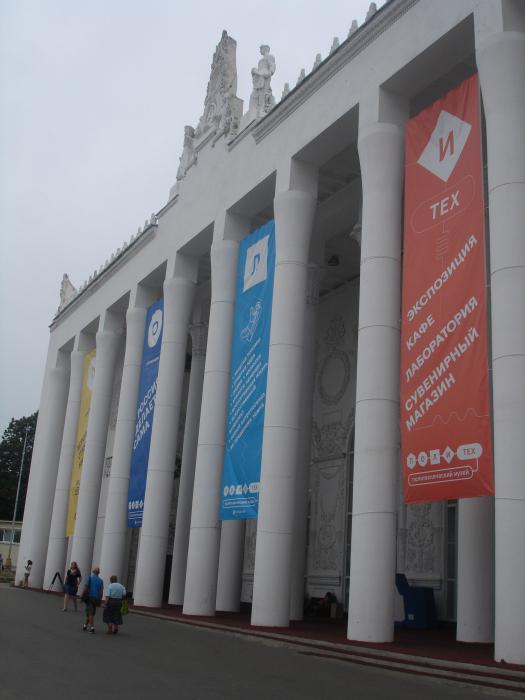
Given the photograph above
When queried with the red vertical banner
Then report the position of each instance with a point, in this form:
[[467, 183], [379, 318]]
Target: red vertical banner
[[445, 415]]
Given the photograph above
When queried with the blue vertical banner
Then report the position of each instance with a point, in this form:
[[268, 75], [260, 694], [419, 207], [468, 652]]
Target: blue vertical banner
[[248, 375], [145, 409]]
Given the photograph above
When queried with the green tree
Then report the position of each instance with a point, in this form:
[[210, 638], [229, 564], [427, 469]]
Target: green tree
[[11, 448]]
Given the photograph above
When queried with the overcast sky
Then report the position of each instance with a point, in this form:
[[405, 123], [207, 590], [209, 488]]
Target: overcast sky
[[94, 96]]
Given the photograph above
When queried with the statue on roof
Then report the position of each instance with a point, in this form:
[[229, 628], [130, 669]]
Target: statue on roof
[[67, 292], [261, 99], [189, 156], [221, 106]]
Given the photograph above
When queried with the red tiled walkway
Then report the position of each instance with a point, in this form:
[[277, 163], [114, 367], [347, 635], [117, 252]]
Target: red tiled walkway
[[439, 643]]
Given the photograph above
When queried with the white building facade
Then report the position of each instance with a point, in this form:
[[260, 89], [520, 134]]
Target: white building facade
[[327, 164]]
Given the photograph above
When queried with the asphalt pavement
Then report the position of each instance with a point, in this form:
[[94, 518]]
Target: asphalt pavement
[[45, 655]]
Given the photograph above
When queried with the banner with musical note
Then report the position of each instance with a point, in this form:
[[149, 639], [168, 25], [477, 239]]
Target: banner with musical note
[[248, 375]]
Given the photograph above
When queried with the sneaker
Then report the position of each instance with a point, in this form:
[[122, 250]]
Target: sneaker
[[84, 627], [92, 630], [64, 609]]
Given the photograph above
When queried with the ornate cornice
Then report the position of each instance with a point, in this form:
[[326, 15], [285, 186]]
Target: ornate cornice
[[120, 260], [384, 18]]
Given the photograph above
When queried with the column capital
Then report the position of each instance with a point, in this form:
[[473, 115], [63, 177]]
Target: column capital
[[500, 58], [380, 147], [375, 129], [297, 197], [381, 157], [487, 42], [58, 373], [77, 356], [179, 294], [135, 318], [294, 217], [223, 255], [76, 360], [171, 285], [106, 337], [135, 313]]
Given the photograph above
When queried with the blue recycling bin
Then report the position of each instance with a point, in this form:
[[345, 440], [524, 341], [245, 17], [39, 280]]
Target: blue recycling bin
[[420, 610]]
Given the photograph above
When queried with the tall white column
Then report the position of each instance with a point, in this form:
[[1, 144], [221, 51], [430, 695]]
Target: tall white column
[[303, 462], [501, 61], [57, 547], [475, 579], [179, 293], [44, 466], [107, 346], [203, 552], [376, 455], [231, 558], [114, 540], [199, 334], [294, 215]]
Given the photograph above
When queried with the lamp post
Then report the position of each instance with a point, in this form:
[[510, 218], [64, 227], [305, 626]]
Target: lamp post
[[8, 560]]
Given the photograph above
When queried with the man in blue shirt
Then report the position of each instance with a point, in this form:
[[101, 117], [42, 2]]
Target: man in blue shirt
[[92, 597]]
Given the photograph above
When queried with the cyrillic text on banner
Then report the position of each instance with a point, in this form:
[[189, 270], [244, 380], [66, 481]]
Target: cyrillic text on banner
[[445, 410], [145, 410], [248, 377]]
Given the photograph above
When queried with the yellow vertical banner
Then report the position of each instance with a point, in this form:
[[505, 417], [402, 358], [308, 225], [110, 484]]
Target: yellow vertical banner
[[88, 375]]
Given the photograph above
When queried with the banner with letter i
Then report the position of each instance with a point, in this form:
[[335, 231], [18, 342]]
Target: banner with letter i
[[445, 409], [248, 375], [88, 377], [145, 410]]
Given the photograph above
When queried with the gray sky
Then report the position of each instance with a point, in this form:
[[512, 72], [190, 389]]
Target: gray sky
[[94, 97]]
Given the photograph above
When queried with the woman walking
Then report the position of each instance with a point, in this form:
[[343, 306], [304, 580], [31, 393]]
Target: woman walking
[[73, 579], [115, 594]]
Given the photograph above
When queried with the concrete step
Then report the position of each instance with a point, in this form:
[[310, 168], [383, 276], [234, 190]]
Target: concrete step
[[500, 677]]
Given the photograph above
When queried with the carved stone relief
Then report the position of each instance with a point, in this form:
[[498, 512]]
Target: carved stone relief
[[335, 365], [132, 561], [199, 339], [332, 424], [116, 393], [107, 467], [328, 517], [173, 515], [249, 546], [221, 104], [249, 560], [423, 541], [330, 440]]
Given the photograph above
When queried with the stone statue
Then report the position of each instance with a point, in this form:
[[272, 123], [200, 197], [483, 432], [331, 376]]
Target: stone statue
[[261, 99], [67, 292], [371, 11], [353, 28], [188, 157]]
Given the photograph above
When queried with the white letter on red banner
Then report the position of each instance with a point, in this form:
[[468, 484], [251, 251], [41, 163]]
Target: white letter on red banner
[[445, 416]]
